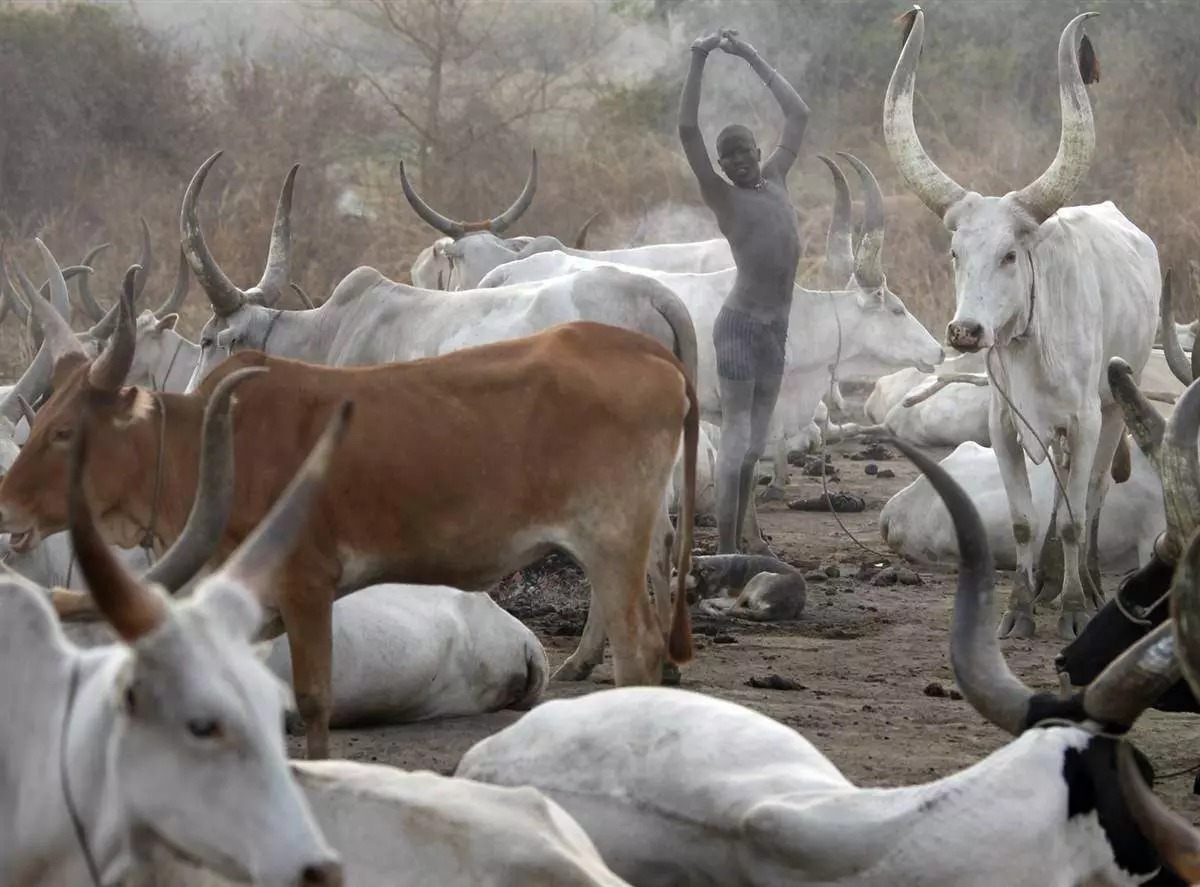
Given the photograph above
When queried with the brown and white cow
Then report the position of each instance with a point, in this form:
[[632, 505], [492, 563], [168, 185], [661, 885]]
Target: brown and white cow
[[569, 438]]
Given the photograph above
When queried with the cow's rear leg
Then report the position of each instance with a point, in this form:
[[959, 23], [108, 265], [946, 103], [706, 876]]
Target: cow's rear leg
[[307, 610], [1017, 620], [1112, 428], [1084, 443], [590, 652]]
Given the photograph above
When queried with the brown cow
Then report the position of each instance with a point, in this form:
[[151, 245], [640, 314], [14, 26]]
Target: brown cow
[[570, 436]]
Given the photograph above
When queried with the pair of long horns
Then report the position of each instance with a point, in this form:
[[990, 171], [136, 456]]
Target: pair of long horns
[[132, 605], [864, 264], [88, 301], [226, 298], [497, 225], [1041, 198]]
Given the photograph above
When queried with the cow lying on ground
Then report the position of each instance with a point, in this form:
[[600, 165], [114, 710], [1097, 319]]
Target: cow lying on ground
[[460, 470], [404, 653], [915, 523], [754, 587], [146, 741], [393, 827], [648, 774]]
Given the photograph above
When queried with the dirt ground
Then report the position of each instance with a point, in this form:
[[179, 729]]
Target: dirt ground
[[871, 661]]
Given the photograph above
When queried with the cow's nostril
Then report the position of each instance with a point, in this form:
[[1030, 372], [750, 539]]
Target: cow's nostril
[[325, 874], [1060, 663]]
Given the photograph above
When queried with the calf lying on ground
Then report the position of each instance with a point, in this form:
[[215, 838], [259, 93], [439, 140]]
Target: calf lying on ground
[[404, 653], [459, 470], [393, 827]]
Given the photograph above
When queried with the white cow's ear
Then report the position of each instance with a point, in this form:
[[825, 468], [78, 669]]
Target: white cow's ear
[[166, 323], [231, 604], [1042, 231]]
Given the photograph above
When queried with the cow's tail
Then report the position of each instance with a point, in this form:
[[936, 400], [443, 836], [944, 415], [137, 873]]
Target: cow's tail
[[679, 319], [679, 644]]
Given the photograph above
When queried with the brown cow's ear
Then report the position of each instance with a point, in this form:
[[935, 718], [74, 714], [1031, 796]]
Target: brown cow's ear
[[64, 367]]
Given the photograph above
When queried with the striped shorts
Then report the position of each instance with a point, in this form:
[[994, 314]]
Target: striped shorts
[[748, 349]]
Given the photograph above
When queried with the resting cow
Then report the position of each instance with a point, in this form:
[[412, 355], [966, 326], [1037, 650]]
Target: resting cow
[[437, 484], [648, 774]]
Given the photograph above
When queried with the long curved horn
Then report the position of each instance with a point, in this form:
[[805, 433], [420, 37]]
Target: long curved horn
[[868, 258], [11, 300], [936, 190], [1185, 611], [582, 233], [108, 371], [1077, 141], [979, 667], [183, 279], [1134, 680], [1144, 422], [1173, 837], [90, 306], [427, 213], [56, 332], [224, 296], [501, 223], [130, 608], [144, 261], [259, 558], [214, 490], [1180, 469], [1170, 342], [839, 242], [269, 289], [303, 296]]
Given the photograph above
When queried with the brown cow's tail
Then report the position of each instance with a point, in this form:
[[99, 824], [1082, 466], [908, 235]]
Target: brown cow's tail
[[679, 645], [667, 303]]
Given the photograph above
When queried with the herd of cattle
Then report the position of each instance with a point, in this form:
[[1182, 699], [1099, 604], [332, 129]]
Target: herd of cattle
[[284, 522]]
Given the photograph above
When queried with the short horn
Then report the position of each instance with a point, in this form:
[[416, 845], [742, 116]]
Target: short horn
[[1174, 839], [260, 557], [839, 242], [935, 189], [130, 608], [868, 258], [1170, 341], [144, 261], [303, 296], [1077, 140], [214, 490], [279, 258], [501, 223], [26, 410], [224, 296], [979, 667], [86, 300], [428, 214], [582, 234], [183, 279], [108, 371]]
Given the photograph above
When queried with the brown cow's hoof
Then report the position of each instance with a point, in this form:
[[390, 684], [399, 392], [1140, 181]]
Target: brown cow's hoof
[[670, 674], [571, 671]]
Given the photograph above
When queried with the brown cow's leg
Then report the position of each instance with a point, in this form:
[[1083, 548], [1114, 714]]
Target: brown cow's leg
[[307, 610]]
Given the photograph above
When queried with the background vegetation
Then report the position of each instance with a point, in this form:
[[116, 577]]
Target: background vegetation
[[105, 113]]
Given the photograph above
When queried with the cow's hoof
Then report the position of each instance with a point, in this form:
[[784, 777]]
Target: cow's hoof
[[293, 723], [1071, 624], [572, 671], [670, 674], [1015, 624]]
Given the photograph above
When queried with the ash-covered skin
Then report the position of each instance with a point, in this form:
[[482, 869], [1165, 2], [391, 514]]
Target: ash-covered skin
[[755, 214]]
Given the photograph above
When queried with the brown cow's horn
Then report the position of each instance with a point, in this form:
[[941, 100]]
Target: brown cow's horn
[[224, 296], [1077, 140], [108, 371], [131, 609], [260, 557], [214, 490], [428, 214], [839, 242]]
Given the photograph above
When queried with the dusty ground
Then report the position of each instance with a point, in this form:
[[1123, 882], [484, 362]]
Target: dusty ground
[[864, 656]]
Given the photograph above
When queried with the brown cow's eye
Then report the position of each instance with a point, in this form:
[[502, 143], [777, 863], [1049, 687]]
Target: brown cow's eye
[[62, 434]]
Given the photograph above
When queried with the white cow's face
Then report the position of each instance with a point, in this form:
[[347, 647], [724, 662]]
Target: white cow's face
[[157, 347], [201, 759], [248, 327], [469, 258], [991, 249], [891, 338]]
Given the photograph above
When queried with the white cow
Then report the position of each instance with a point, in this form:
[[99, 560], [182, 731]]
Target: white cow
[[404, 653], [469, 250], [914, 522], [1053, 292], [706, 471], [864, 330], [648, 774], [393, 827], [159, 744]]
